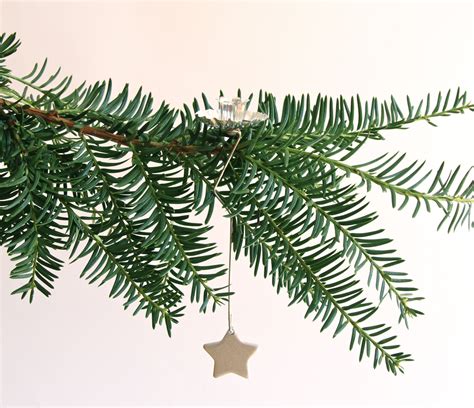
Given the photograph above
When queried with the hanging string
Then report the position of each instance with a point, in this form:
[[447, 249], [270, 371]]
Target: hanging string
[[238, 133], [229, 314]]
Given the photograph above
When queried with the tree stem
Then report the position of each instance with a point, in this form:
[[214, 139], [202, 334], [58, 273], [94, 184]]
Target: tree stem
[[55, 118]]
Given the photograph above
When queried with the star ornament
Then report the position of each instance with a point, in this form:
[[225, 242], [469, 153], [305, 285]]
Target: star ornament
[[230, 355]]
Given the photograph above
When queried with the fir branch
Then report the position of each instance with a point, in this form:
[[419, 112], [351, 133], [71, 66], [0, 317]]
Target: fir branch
[[392, 361], [180, 241], [111, 179], [360, 241], [463, 196], [123, 279], [54, 118]]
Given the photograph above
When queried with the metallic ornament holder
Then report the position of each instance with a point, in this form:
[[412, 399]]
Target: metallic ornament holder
[[231, 116]]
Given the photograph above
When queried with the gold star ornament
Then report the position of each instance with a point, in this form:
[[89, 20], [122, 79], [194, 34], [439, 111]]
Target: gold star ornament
[[230, 355]]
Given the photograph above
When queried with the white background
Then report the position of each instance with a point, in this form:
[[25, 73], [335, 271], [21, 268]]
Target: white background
[[78, 348]]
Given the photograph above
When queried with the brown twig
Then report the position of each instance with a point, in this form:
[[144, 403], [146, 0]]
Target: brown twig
[[53, 117]]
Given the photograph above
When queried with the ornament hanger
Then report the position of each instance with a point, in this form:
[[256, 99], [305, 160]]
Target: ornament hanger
[[230, 354]]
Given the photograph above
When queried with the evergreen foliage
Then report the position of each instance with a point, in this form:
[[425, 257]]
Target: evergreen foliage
[[109, 179]]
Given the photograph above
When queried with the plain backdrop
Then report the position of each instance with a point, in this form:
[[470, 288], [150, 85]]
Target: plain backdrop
[[78, 348]]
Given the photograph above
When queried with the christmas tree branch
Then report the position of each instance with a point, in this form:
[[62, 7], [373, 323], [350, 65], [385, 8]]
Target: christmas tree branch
[[53, 117]]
